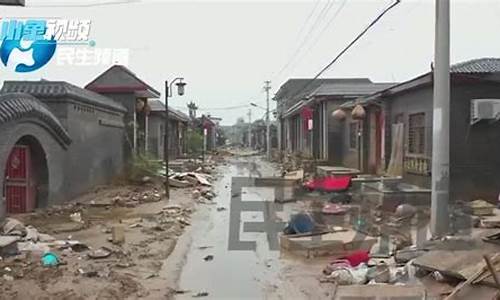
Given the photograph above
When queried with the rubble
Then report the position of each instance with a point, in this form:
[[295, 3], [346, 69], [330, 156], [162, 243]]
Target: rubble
[[8, 246], [480, 208], [173, 182], [143, 232], [344, 274], [100, 253], [13, 227]]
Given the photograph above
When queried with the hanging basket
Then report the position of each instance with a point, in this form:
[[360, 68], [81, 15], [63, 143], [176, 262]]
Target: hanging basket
[[358, 113], [339, 114], [147, 109], [139, 105]]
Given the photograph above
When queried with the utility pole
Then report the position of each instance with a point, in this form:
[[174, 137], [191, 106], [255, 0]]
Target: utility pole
[[267, 87], [441, 122], [250, 128]]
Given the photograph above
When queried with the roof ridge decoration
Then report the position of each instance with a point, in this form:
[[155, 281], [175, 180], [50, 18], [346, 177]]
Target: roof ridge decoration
[[477, 65]]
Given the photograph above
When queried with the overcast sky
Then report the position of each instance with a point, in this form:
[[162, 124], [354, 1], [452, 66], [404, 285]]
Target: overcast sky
[[225, 50]]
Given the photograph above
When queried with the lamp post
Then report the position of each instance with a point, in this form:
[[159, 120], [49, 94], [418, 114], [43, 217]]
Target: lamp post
[[168, 93]]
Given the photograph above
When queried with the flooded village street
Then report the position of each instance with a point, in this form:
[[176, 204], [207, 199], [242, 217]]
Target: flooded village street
[[277, 150], [235, 273]]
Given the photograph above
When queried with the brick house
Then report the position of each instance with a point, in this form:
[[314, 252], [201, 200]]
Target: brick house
[[178, 124], [55, 143], [474, 144], [125, 87], [305, 117]]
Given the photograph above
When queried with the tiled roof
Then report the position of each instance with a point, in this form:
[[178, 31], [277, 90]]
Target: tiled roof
[[158, 106], [296, 87], [350, 89], [59, 89], [119, 78], [480, 65], [15, 106]]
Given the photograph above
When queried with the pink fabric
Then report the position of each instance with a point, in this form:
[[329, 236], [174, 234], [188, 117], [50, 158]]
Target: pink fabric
[[329, 183], [358, 257]]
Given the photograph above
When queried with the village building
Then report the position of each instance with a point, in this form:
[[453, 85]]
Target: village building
[[125, 87], [209, 127], [259, 134], [395, 136], [305, 108], [178, 125], [55, 143], [60, 140]]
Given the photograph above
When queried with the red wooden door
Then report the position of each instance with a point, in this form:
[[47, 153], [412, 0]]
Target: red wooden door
[[19, 186]]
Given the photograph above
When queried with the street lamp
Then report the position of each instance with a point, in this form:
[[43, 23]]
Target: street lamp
[[168, 93]]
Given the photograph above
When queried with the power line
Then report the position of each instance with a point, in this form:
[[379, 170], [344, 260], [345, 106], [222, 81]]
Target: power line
[[350, 45], [320, 16], [334, 17], [315, 42], [308, 18]]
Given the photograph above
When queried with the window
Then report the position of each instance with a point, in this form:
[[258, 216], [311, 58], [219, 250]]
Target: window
[[353, 135], [416, 133]]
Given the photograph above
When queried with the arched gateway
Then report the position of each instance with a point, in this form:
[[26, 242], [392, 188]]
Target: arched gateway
[[30, 136]]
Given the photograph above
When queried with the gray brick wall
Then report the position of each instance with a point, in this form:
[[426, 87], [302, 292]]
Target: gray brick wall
[[94, 157]]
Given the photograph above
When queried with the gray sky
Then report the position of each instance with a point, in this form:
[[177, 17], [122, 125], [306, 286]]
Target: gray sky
[[225, 50]]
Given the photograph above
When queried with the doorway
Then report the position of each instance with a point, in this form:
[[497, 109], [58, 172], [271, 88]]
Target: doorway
[[26, 177]]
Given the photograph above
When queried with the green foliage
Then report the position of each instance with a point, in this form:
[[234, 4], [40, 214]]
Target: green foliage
[[144, 165], [194, 142]]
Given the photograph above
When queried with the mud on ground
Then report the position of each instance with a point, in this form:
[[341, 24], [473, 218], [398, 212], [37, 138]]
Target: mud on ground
[[151, 228]]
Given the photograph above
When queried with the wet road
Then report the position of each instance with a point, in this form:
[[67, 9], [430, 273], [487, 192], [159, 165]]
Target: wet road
[[232, 274]]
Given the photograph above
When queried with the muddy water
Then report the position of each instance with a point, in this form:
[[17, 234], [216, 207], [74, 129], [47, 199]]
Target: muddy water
[[232, 274]]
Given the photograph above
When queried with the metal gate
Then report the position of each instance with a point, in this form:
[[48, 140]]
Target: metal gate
[[19, 186]]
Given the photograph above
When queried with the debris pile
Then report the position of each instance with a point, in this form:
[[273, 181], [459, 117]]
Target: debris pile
[[453, 267]]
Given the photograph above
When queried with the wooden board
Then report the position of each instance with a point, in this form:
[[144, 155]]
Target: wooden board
[[459, 264]]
